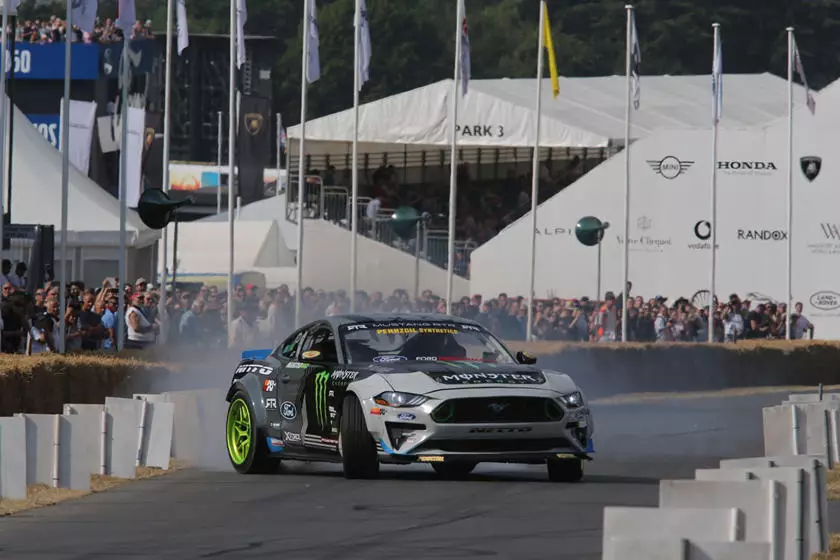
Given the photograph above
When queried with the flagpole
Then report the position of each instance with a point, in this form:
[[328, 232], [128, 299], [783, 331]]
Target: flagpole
[[788, 241], [453, 164], [279, 148], [167, 117], [232, 120], [354, 203], [626, 246], [713, 272], [126, 74], [5, 109], [65, 176], [535, 173], [302, 163]]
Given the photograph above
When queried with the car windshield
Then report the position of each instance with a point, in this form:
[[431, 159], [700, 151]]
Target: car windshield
[[395, 341]]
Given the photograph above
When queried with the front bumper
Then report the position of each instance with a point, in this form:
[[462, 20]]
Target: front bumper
[[408, 435]]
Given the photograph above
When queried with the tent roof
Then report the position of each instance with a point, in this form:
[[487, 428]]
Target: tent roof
[[93, 214], [589, 112]]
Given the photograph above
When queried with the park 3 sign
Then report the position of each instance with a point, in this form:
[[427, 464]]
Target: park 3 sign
[[480, 130]]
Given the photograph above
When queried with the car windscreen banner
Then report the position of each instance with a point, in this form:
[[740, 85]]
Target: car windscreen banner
[[412, 327]]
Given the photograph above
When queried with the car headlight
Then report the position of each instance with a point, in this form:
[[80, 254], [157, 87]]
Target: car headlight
[[572, 400], [399, 400]]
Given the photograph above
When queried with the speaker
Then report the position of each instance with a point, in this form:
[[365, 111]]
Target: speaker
[[157, 210]]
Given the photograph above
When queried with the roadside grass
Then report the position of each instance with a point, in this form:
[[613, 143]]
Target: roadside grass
[[41, 495]]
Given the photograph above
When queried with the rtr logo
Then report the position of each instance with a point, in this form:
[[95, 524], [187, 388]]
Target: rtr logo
[[271, 404]]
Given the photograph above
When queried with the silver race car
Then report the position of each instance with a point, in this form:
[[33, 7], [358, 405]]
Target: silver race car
[[365, 390]]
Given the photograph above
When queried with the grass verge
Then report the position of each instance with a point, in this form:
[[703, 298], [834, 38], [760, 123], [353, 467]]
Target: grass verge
[[41, 495], [833, 549], [833, 483]]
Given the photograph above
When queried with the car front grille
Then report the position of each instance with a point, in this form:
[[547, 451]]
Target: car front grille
[[506, 445], [488, 410]]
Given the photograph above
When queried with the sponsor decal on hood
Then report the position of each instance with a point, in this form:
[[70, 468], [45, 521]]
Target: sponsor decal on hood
[[478, 377]]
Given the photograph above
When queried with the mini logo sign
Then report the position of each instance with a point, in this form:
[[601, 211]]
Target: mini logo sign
[[825, 300], [811, 166], [669, 167], [253, 123]]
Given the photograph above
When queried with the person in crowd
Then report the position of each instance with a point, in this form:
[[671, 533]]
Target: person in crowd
[[801, 324], [141, 332]]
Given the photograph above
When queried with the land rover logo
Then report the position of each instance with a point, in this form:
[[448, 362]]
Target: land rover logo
[[703, 230], [825, 300], [811, 166], [669, 167]]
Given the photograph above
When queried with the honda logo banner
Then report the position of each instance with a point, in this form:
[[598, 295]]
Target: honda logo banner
[[254, 141], [672, 227]]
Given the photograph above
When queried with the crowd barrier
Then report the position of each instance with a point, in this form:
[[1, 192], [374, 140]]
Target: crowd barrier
[[763, 508], [111, 439]]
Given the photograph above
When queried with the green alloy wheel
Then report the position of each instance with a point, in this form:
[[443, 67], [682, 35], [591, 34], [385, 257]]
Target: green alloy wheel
[[238, 431], [246, 444]]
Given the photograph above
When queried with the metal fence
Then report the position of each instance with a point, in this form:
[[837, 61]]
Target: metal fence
[[334, 204]]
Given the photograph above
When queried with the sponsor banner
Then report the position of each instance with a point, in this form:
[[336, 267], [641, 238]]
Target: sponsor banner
[[736, 167], [669, 167], [761, 235], [810, 166], [192, 177], [826, 303], [141, 56], [828, 242], [49, 126], [254, 139], [412, 327], [702, 232], [46, 62], [646, 239]]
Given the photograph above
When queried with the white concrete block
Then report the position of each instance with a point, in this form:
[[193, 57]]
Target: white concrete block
[[684, 549], [793, 493], [150, 397], [41, 443], [157, 445], [13, 458], [186, 444], [802, 461], [811, 397], [758, 500], [779, 437], [123, 436], [640, 523], [78, 441], [83, 408]]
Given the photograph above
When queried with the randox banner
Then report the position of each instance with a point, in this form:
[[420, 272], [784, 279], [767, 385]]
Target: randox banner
[[254, 139]]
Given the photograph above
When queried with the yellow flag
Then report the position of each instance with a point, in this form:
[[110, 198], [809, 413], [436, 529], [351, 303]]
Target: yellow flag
[[552, 60]]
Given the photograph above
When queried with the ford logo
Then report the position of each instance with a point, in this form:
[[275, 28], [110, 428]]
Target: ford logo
[[825, 300]]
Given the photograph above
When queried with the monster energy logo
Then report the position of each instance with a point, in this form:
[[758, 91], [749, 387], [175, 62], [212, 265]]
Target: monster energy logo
[[321, 414]]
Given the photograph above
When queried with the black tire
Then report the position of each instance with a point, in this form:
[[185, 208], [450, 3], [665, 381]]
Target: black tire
[[456, 470], [565, 470], [257, 460], [357, 448]]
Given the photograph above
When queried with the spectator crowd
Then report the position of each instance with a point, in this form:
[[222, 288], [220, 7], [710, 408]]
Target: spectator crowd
[[54, 30], [196, 315]]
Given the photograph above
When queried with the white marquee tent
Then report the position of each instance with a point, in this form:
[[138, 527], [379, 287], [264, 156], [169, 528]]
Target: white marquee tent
[[669, 234], [93, 214], [589, 112]]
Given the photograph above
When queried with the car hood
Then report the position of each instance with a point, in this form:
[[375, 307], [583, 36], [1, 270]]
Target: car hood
[[433, 376]]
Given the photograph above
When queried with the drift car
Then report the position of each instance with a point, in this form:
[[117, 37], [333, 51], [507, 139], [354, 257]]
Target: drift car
[[365, 390]]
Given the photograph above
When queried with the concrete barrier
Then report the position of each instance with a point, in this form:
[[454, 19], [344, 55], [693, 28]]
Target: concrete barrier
[[13, 458], [780, 501]]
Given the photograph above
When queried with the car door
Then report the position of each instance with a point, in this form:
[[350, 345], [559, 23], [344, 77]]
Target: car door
[[281, 401], [320, 354]]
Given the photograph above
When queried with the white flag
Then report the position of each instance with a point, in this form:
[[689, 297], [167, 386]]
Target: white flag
[[313, 66], [797, 67], [717, 79], [364, 46], [126, 17], [241, 18], [466, 70], [183, 30], [83, 14], [635, 63]]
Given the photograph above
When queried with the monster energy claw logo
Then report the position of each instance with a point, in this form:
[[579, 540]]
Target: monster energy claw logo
[[321, 414]]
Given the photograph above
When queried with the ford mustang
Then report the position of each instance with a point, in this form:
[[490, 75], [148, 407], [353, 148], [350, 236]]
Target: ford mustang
[[401, 389]]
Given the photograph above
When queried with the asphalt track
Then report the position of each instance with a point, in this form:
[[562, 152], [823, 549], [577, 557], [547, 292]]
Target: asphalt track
[[311, 512]]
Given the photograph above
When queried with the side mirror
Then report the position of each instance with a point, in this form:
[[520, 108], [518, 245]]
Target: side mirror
[[157, 210], [526, 358]]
